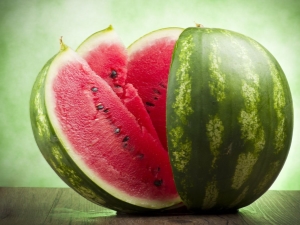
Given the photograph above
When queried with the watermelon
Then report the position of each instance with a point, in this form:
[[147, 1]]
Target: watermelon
[[201, 117], [94, 142], [229, 119]]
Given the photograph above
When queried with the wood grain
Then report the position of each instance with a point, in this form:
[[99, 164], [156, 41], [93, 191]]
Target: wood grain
[[64, 206]]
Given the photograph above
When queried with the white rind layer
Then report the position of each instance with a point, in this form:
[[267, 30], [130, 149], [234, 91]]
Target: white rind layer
[[92, 42], [147, 40]]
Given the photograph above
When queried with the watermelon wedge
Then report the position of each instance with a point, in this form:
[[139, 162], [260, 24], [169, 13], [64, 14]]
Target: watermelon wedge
[[94, 143], [148, 70]]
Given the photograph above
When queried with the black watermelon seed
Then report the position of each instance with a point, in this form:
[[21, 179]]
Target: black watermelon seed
[[158, 183], [156, 91], [94, 89], [140, 156], [155, 171], [117, 130], [113, 74], [149, 104], [106, 110], [99, 107], [163, 85], [126, 138]]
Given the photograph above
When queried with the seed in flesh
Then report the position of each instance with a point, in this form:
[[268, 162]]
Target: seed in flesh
[[163, 85], [149, 104], [156, 91], [113, 74], [117, 130], [140, 156], [126, 138], [100, 106], [94, 89], [158, 183]]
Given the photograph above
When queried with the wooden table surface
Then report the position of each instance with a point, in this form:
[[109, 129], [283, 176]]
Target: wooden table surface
[[64, 206]]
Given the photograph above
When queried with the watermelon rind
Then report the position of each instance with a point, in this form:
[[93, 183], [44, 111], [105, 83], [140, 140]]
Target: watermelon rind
[[96, 38], [149, 38]]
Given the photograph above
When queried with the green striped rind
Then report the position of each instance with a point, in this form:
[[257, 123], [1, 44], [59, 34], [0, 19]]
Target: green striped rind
[[58, 158], [229, 119]]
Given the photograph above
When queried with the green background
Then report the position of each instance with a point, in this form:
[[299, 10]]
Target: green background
[[29, 36]]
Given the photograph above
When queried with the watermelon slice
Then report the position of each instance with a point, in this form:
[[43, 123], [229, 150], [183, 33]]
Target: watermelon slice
[[148, 70], [93, 137]]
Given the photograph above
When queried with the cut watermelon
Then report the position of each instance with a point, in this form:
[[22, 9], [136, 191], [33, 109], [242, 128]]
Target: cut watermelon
[[97, 145], [95, 114], [148, 70]]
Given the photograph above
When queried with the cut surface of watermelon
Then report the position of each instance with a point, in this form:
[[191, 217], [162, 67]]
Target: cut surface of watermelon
[[107, 57], [104, 138], [148, 70]]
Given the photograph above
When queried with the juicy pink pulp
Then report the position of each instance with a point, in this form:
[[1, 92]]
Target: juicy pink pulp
[[108, 138], [106, 58], [148, 71]]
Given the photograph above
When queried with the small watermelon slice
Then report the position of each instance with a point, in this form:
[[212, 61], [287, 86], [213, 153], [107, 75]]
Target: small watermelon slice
[[148, 69], [94, 143]]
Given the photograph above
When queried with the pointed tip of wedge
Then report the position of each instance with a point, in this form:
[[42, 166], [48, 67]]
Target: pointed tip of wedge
[[110, 27], [63, 47]]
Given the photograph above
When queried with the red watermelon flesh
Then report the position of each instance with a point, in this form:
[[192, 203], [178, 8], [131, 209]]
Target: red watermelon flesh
[[104, 138], [148, 70]]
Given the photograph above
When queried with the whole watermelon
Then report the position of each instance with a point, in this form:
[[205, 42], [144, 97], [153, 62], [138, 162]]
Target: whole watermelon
[[229, 119]]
